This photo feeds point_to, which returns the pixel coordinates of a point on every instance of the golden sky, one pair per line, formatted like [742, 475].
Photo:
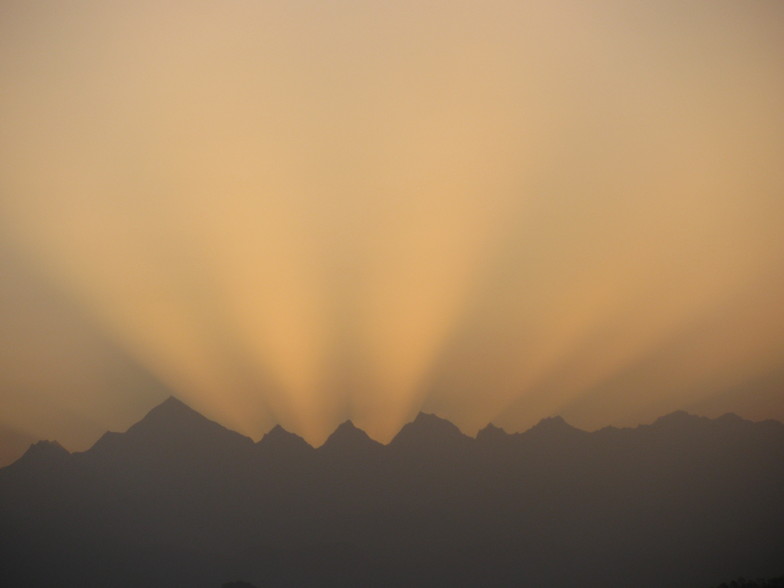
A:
[302, 212]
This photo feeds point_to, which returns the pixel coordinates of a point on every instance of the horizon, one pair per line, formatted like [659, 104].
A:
[473, 437]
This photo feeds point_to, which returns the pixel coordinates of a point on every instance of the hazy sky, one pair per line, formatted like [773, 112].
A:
[301, 212]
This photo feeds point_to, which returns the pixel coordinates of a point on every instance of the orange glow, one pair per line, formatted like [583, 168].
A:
[284, 212]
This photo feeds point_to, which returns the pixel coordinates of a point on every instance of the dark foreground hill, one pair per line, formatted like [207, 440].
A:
[179, 501]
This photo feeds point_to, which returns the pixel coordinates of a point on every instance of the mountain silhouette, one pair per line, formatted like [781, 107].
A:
[171, 440]
[41, 455]
[280, 442]
[41, 459]
[678, 420]
[429, 431]
[554, 428]
[348, 441]
[179, 500]
[173, 422]
[493, 435]
[173, 425]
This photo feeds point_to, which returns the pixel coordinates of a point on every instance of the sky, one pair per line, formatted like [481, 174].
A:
[300, 212]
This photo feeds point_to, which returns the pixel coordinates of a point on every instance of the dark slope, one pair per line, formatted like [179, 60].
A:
[172, 430]
[494, 436]
[279, 442]
[41, 457]
[179, 500]
[349, 443]
[32, 474]
[430, 440]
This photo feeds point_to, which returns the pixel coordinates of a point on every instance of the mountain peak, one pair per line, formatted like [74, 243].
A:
[428, 429]
[277, 432]
[348, 438]
[492, 433]
[730, 418]
[172, 426]
[46, 450]
[678, 419]
[279, 439]
[555, 425]
[172, 406]
[172, 412]
[553, 422]
[430, 420]
[173, 402]
[41, 454]
[348, 427]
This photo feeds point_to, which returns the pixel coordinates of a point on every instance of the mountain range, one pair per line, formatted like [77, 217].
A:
[181, 501]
